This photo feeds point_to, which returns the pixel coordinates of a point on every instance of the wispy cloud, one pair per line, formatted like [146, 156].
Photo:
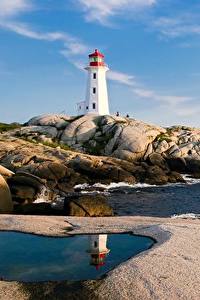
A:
[71, 45]
[101, 11]
[121, 77]
[76, 50]
[171, 100]
[185, 24]
[13, 7]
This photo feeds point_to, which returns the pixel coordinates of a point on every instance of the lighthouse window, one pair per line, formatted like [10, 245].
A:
[94, 75]
[94, 90]
[95, 244]
[93, 105]
[86, 107]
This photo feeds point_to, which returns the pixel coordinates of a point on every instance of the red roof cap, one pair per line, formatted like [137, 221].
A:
[96, 53]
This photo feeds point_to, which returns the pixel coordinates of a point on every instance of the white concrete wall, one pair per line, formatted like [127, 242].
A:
[100, 98]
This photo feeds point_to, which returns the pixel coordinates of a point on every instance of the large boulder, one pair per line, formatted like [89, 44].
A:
[47, 170]
[98, 170]
[25, 187]
[81, 130]
[60, 121]
[5, 172]
[88, 206]
[134, 139]
[48, 131]
[158, 160]
[6, 204]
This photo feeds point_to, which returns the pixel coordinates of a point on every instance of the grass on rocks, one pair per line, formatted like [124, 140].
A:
[6, 127]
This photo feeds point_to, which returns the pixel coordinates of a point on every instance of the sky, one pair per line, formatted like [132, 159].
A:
[151, 47]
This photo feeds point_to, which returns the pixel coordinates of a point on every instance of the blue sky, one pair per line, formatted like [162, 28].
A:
[151, 46]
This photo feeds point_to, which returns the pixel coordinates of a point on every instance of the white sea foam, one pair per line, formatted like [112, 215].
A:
[190, 180]
[186, 216]
[43, 196]
[112, 185]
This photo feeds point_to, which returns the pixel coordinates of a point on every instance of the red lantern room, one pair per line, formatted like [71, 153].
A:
[96, 59]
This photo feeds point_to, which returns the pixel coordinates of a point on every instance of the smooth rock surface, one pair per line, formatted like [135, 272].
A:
[6, 204]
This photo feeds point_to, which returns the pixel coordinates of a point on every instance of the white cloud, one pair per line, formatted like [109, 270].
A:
[13, 7]
[121, 77]
[171, 100]
[100, 11]
[76, 51]
[71, 45]
[178, 26]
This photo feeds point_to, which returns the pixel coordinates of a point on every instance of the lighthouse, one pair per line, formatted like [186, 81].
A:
[96, 101]
[98, 250]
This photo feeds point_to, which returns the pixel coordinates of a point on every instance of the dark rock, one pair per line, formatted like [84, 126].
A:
[157, 160]
[193, 167]
[88, 206]
[156, 175]
[175, 177]
[21, 193]
[177, 164]
[25, 187]
[37, 209]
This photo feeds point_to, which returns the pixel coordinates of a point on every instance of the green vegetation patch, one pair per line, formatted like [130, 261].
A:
[6, 127]
[163, 137]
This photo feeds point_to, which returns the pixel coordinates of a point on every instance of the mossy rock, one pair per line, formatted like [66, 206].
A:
[88, 206]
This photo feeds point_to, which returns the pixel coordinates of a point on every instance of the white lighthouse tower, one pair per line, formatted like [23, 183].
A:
[96, 94]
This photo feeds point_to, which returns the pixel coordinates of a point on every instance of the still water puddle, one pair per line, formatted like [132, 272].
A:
[32, 258]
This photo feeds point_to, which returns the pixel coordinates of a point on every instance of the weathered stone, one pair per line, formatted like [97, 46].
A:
[158, 160]
[5, 172]
[57, 120]
[149, 151]
[156, 175]
[21, 193]
[43, 139]
[177, 164]
[6, 204]
[44, 130]
[162, 147]
[88, 206]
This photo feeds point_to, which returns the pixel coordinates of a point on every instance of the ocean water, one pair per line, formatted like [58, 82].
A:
[172, 200]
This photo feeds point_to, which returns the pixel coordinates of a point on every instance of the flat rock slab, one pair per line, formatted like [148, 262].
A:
[169, 270]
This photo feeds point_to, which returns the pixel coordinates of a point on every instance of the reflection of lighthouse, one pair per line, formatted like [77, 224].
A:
[98, 249]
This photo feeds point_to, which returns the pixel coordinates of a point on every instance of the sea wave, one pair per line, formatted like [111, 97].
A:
[186, 216]
[190, 180]
[100, 186]
[112, 185]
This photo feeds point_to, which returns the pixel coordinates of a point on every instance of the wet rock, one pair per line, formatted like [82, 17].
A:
[88, 206]
[177, 164]
[175, 177]
[156, 175]
[193, 166]
[44, 209]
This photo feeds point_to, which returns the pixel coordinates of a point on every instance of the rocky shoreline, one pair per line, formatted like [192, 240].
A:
[51, 154]
[42, 161]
